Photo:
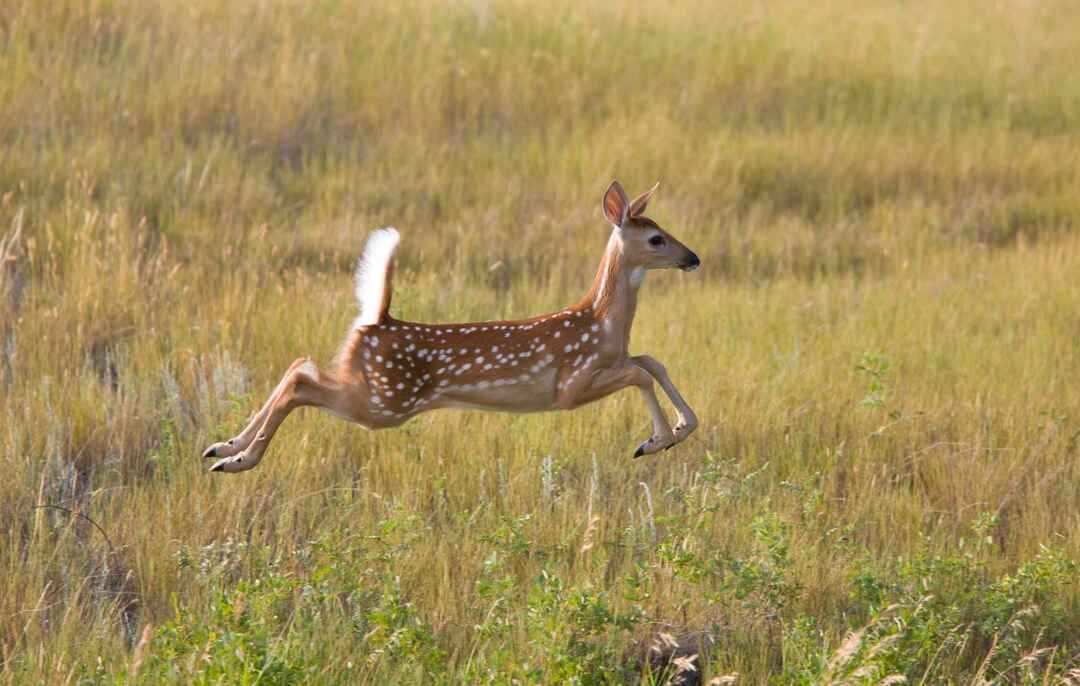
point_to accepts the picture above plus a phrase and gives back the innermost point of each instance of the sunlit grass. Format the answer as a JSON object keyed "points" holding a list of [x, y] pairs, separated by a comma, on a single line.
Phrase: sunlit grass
{"points": [[881, 343]]}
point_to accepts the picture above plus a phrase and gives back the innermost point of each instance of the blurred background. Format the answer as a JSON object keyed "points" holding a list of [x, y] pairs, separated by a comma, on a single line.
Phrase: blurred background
{"points": [[881, 342]]}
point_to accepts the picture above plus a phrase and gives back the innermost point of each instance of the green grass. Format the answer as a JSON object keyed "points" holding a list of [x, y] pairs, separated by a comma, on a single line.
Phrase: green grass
{"points": [[881, 343]]}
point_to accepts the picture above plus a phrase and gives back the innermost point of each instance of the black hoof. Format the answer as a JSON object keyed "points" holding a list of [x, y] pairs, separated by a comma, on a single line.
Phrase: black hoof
{"points": [[218, 468], [639, 452], [210, 452]]}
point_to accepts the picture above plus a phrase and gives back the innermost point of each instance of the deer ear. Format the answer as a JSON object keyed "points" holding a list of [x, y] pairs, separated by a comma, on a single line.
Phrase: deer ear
{"points": [[616, 206], [638, 206]]}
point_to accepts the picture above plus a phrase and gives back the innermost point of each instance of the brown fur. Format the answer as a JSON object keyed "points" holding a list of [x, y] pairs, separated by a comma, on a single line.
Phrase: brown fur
{"points": [[608, 272], [391, 371]]}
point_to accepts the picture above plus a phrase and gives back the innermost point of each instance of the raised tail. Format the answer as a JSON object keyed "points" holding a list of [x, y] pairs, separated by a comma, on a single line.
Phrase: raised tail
{"points": [[374, 271]]}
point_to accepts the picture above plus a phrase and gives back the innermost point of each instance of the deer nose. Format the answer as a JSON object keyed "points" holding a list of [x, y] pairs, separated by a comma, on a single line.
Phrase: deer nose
{"points": [[691, 263]]}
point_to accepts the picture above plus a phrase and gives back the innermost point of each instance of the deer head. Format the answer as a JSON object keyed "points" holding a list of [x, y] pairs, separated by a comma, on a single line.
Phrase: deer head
{"points": [[644, 243]]}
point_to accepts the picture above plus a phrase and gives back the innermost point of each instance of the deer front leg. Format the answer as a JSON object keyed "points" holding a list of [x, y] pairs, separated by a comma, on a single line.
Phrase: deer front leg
{"points": [[688, 421], [662, 437], [303, 386], [606, 381], [236, 445]]}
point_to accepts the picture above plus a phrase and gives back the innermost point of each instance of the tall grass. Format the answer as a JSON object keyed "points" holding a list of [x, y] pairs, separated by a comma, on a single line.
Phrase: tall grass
{"points": [[882, 342]]}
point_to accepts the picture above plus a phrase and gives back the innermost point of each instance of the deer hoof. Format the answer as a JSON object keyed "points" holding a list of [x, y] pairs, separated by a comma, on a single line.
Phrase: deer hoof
{"points": [[240, 463], [226, 449], [655, 445]]}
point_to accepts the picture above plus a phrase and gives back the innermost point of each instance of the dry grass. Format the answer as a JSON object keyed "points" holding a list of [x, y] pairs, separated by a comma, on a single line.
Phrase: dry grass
{"points": [[184, 188]]}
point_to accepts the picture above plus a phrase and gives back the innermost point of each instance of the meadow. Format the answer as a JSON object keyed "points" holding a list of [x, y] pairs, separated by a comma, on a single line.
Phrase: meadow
{"points": [[881, 344]]}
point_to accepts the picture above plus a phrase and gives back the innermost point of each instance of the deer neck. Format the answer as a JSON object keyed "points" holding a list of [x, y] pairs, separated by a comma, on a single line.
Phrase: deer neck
{"points": [[613, 295]]}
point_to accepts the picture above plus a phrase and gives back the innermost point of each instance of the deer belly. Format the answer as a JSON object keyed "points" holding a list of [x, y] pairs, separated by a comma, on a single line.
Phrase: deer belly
{"points": [[525, 392]]}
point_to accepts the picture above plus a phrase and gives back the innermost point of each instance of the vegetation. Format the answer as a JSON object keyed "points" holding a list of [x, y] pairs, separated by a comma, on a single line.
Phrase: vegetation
{"points": [[881, 343]]}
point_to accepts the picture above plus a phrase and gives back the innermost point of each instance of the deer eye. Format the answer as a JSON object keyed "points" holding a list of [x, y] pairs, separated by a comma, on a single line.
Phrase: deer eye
{"points": [[656, 241]]}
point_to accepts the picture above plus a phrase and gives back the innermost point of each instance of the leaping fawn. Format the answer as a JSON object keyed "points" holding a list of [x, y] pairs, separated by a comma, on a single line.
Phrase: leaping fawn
{"points": [[389, 370]]}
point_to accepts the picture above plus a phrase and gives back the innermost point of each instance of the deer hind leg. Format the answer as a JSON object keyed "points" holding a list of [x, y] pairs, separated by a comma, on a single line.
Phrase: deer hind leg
{"points": [[688, 421], [237, 445], [304, 385]]}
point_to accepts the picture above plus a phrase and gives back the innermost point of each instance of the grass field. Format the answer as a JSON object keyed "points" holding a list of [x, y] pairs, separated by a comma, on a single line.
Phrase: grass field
{"points": [[882, 342]]}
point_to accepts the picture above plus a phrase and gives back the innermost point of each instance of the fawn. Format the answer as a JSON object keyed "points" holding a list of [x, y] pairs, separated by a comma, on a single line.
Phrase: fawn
{"points": [[389, 371]]}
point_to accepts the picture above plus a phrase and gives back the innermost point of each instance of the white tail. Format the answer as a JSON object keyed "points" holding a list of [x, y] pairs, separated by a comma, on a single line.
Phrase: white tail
{"points": [[373, 276], [389, 370]]}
